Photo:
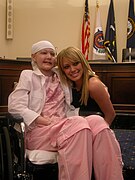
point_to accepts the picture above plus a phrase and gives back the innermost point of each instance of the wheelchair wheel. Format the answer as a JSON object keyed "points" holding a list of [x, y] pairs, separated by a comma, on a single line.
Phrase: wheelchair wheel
{"points": [[8, 152], [1, 160]]}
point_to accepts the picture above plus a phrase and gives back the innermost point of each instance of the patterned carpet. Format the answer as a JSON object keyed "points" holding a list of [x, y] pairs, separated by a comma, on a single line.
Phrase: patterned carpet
{"points": [[126, 139]]}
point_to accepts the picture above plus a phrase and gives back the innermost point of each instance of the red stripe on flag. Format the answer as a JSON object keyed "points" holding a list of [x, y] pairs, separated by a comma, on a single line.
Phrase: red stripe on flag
{"points": [[86, 31]]}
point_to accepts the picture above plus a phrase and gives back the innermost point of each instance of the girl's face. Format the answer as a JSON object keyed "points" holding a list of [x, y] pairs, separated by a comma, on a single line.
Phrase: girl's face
{"points": [[73, 70], [45, 60]]}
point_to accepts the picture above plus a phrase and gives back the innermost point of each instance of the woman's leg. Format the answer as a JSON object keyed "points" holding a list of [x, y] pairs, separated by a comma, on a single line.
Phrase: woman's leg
{"points": [[75, 156], [107, 159]]}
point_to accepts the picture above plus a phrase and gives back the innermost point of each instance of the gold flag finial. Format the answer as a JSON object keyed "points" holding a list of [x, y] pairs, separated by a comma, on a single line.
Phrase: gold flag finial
{"points": [[97, 3]]}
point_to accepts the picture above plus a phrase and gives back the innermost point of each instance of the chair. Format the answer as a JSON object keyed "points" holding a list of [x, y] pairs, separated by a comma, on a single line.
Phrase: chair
{"points": [[128, 55]]}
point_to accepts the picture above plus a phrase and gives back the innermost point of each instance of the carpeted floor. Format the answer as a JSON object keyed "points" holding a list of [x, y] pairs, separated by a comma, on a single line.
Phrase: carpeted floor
{"points": [[126, 139]]}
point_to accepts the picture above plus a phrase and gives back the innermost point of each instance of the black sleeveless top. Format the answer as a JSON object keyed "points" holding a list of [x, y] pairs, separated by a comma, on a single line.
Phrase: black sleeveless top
{"points": [[85, 110]]}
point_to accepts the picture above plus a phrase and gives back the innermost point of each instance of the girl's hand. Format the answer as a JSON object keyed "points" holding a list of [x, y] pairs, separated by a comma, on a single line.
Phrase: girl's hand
{"points": [[43, 120]]}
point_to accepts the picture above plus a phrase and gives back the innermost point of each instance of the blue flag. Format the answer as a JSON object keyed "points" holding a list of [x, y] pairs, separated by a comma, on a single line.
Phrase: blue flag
{"points": [[131, 26], [110, 35]]}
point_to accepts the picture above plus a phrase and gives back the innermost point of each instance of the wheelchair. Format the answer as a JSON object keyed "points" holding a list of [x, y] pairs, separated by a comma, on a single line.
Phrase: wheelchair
{"points": [[14, 165]]}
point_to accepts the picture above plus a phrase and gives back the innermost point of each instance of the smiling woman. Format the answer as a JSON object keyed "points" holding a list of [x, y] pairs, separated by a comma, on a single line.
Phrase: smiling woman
{"points": [[75, 70]]}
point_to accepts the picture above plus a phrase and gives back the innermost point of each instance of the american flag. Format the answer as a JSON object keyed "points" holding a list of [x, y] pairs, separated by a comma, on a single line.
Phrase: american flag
{"points": [[86, 31]]}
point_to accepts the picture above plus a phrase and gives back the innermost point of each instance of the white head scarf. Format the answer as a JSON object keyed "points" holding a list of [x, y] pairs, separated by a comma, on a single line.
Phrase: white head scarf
{"points": [[38, 47], [41, 45]]}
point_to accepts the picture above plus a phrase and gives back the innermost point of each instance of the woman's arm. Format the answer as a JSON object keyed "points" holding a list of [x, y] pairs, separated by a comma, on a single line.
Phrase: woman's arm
{"points": [[99, 93]]}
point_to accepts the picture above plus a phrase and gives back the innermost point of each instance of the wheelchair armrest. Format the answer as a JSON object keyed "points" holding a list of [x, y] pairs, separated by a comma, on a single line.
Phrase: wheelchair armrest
{"points": [[14, 118]]}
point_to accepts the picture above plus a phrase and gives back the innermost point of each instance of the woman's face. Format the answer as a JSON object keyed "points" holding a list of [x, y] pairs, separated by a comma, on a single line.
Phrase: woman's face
{"points": [[45, 59], [73, 70]]}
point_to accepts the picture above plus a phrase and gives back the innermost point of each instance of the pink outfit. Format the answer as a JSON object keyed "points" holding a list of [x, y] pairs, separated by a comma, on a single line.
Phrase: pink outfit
{"points": [[79, 141]]}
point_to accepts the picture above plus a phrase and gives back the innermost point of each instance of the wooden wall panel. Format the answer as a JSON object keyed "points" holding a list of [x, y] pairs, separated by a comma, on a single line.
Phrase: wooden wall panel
{"points": [[120, 80], [118, 77], [122, 89], [9, 73], [7, 84]]}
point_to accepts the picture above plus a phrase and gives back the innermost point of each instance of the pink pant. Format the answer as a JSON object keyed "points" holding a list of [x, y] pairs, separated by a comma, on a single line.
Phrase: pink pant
{"points": [[75, 156], [81, 143], [107, 159], [100, 147]]}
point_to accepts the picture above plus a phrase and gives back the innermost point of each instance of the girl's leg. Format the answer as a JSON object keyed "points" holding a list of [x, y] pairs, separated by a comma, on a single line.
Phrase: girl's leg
{"points": [[107, 159], [75, 156]]}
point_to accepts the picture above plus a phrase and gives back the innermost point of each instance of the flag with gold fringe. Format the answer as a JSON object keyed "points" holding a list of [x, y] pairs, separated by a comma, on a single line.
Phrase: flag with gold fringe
{"points": [[98, 43], [131, 26], [110, 35], [86, 31]]}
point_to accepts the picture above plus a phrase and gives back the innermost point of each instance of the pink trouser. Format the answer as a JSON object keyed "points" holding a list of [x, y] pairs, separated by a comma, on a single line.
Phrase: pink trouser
{"points": [[75, 157], [81, 143], [106, 155], [80, 151]]}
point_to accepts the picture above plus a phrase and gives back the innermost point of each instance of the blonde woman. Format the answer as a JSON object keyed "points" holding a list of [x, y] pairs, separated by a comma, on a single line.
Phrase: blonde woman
{"points": [[89, 94]]}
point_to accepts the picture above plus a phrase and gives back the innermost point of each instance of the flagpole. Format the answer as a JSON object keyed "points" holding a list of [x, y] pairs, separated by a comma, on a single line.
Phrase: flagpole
{"points": [[130, 57], [113, 59]]}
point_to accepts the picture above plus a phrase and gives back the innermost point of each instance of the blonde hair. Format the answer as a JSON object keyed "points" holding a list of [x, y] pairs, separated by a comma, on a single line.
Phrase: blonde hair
{"points": [[74, 55]]}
